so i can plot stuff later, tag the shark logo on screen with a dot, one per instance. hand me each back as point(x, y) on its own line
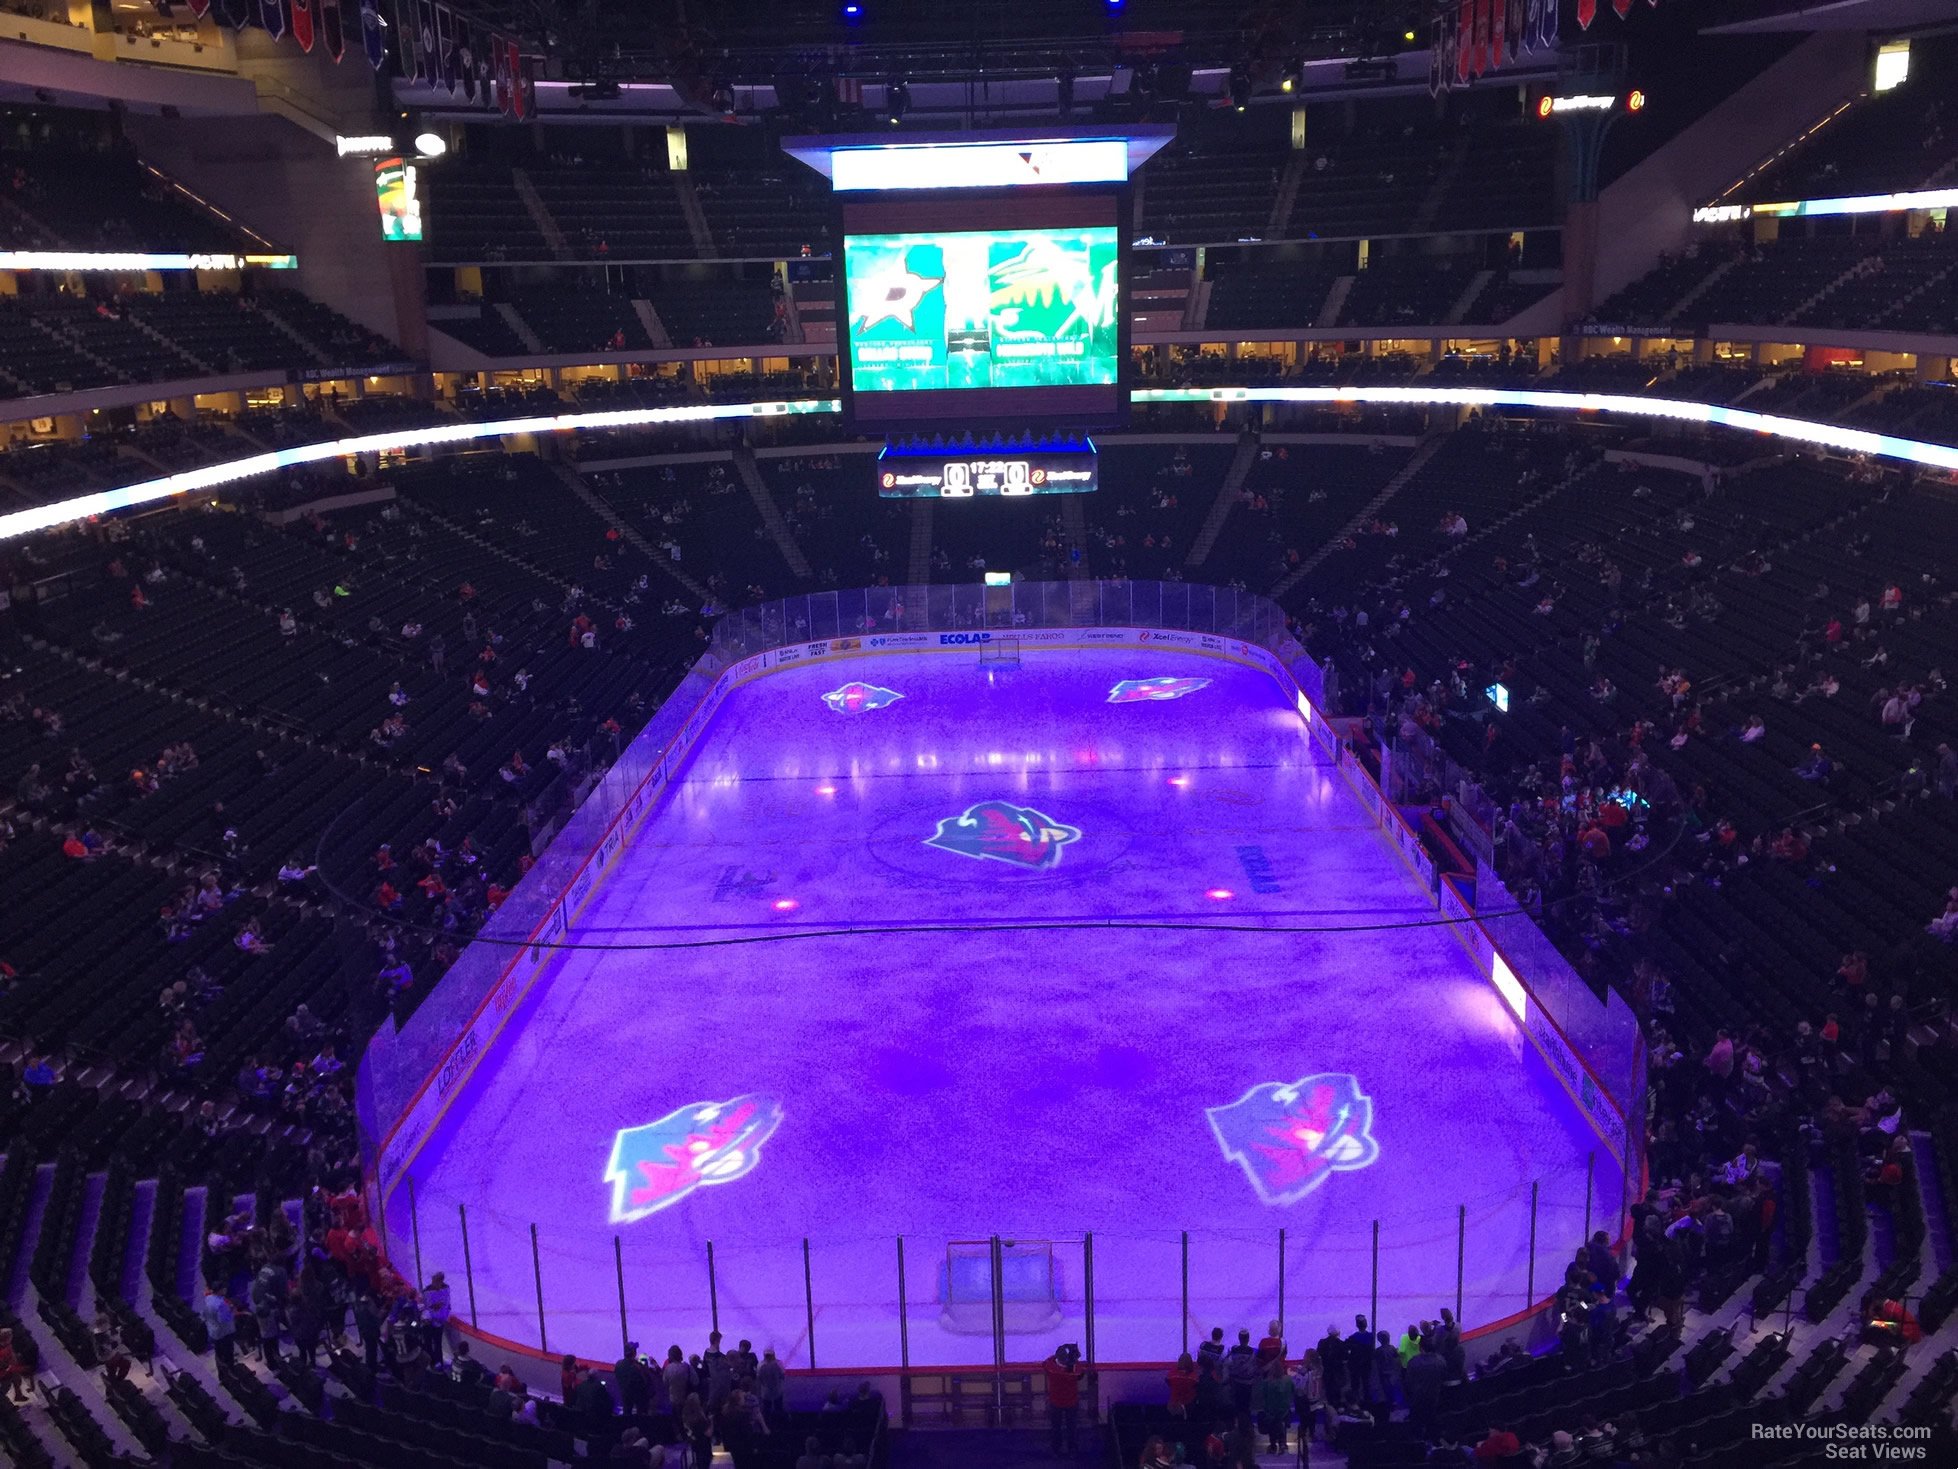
point(1003, 832)
point(691, 1147)
point(859, 698)
point(1143, 690)
point(1290, 1138)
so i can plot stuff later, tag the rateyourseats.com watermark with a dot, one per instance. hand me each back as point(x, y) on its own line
point(1876, 1443)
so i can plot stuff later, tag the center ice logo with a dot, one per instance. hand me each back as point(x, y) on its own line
point(856, 698)
point(1289, 1139)
point(1142, 690)
point(691, 1147)
point(1005, 833)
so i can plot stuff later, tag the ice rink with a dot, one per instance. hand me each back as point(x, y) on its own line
point(1098, 945)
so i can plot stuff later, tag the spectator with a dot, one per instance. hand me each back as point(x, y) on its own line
point(220, 1324)
point(1182, 1379)
point(1422, 1382)
point(1063, 1385)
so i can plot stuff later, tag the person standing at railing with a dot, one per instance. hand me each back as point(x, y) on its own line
point(1064, 1373)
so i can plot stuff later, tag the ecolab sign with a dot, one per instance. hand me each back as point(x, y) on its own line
point(962, 639)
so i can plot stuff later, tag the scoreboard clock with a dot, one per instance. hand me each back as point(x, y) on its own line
point(952, 475)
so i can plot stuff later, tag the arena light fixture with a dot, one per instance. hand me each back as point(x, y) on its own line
point(431, 145)
point(210, 476)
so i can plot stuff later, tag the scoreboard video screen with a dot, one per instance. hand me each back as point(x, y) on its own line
point(983, 307)
point(991, 309)
point(920, 473)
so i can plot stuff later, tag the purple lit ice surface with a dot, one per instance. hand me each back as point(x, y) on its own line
point(946, 1076)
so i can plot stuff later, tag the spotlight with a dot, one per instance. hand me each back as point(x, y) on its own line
point(1113, 6)
point(1220, 894)
point(786, 905)
point(1294, 74)
point(852, 12)
point(431, 145)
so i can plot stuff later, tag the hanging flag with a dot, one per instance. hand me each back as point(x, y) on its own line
point(1552, 26)
point(272, 15)
point(1498, 27)
point(200, 8)
point(465, 58)
point(1464, 39)
point(333, 29)
point(447, 48)
point(513, 65)
point(428, 60)
point(1513, 29)
point(373, 36)
point(1479, 46)
point(527, 87)
point(302, 24)
point(406, 33)
point(1623, 7)
point(1435, 29)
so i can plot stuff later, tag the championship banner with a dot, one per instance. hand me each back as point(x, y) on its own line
point(373, 40)
point(1513, 15)
point(447, 62)
point(1623, 7)
point(333, 29)
point(525, 87)
point(428, 61)
point(1464, 39)
point(236, 14)
point(302, 24)
point(272, 15)
point(465, 58)
point(407, 37)
point(200, 8)
point(500, 72)
point(1498, 34)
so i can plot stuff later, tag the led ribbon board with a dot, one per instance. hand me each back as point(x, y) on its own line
point(66, 260)
point(211, 476)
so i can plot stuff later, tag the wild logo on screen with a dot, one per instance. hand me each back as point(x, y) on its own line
point(1291, 1137)
point(703, 1143)
point(999, 831)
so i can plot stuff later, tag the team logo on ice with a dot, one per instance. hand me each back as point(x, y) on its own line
point(1289, 1139)
point(1142, 690)
point(857, 698)
point(1005, 833)
point(691, 1147)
